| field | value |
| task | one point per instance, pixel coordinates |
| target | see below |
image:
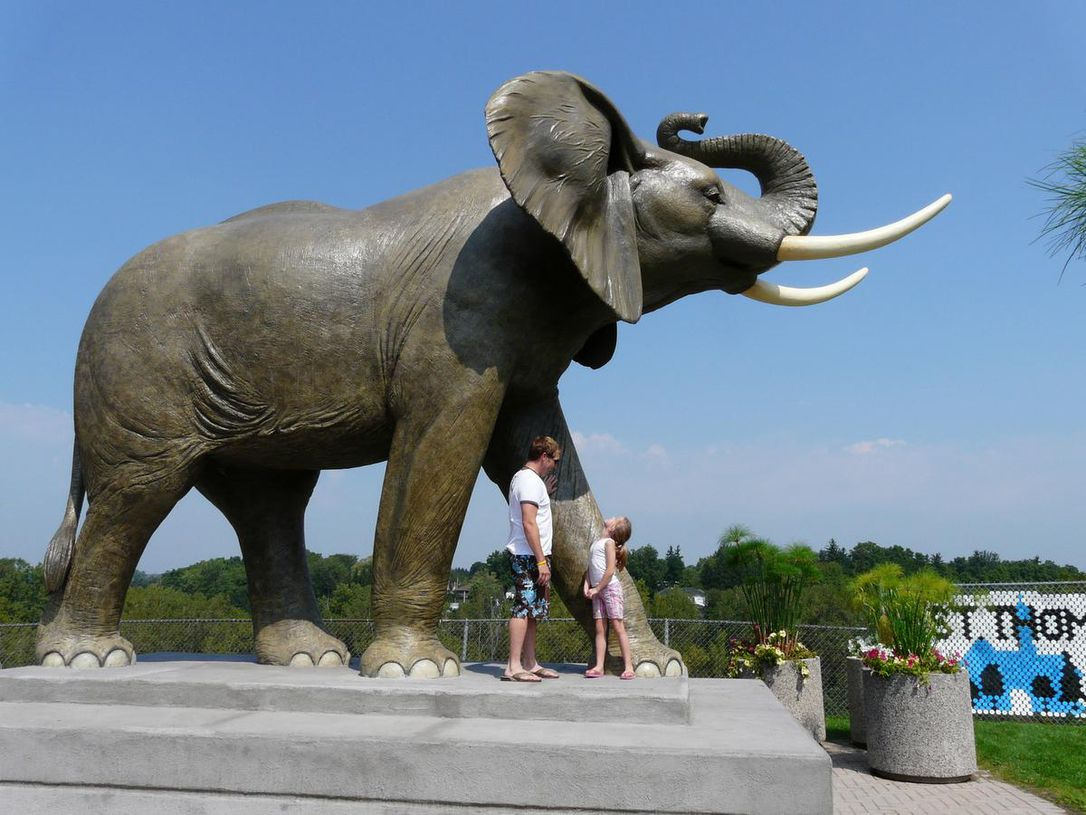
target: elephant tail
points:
(58, 557)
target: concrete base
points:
(800, 697)
(221, 737)
(920, 732)
(854, 672)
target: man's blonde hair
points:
(541, 445)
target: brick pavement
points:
(857, 792)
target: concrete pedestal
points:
(235, 737)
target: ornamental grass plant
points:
(908, 615)
(772, 582)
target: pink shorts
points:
(609, 603)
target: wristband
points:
(541, 563)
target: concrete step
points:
(242, 685)
(735, 750)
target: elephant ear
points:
(565, 154)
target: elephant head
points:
(648, 224)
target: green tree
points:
(219, 576)
(22, 591)
(691, 578)
(673, 566)
(497, 563)
(157, 602)
(674, 604)
(724, 604)
(327, 572)
(833, 552)
(362, 572)
(715, 573)
(644, 564)
(349, 601)
(486, 598)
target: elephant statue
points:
(428, 331)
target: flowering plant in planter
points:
(909, 615)
(753, 657)
(884, 663)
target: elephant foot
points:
(407, 653)
(650, 659)
(300, 644)
(57, 648)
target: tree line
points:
(342, 583)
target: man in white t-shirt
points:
(529, 548)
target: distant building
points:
(456, 595)
(697, 595)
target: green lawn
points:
(1047, 759)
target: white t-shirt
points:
(597, 563)
(528, 487)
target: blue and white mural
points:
(1025, 652)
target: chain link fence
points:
(702, 643)
(1024, 645)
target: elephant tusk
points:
(789, 296)
(815, 247)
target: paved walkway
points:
(857, 792)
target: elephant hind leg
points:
(267, 510)
(81, 626)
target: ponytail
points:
(622, 554)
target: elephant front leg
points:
(432, 467)
(577, 523)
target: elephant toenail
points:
(425, 669)
(301, 660)
(330, 659)
(390, 670)
(452, 668)
(116, 659)
(53, 660)
(674, 668)
(649, 670)
(85, 660)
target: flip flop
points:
(545, 673)
(521, 676)
(627, 675)
(592, 673)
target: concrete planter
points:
(920, 732)
(854, 672)
(800, 697)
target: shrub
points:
(908, 615)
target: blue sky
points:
(938, 406)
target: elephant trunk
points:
(789, 192)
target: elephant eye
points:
(714, 194)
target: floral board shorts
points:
(529, 600)
(609, 603)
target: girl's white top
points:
(597, 562)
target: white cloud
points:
(865, 448)
(1015, 496)
(20, 423)
(598, 443)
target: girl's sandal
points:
(627, 675)
(592, 673)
